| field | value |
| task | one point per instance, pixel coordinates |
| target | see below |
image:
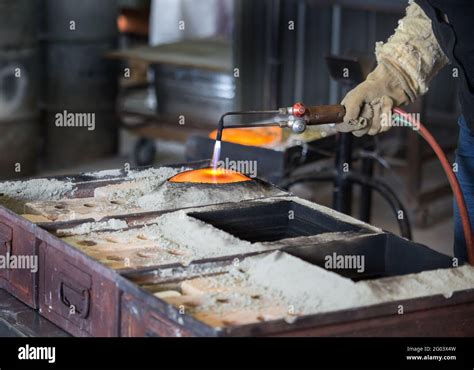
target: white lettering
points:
(37, 353)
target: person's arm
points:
(407, 62)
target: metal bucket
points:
(17, 24)
(79, 20)
(78, 76)
(200, 95)
(18, 84)
(19, 126)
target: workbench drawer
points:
(75, 294)
(19, 261)
(138, 319)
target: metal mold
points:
(375, 320)
(86, 298)
(384, 255)
(274, 221)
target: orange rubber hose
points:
(453, 181)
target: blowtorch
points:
(296, 118)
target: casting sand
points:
(172, 238)
(261, 286)
(312, 289)
(15, 194)
(88, 227)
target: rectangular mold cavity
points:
(273, 221)
(384, 255)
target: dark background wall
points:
(279, 66)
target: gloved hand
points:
(369, 105)
(406, 64)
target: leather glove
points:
(369, 105)
(407, 62)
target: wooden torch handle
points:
(322, 114)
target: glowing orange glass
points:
(210, 176)
(260, 136)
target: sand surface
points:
(279, 286)
(15, 194)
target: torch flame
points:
(210, 176)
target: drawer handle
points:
(79, 299)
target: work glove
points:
(369, 105)
(406, 65)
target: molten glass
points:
(260, 136)
(210, 176)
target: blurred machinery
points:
(198, 91)
(193, 84)
(19, 70)
(78, 79)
